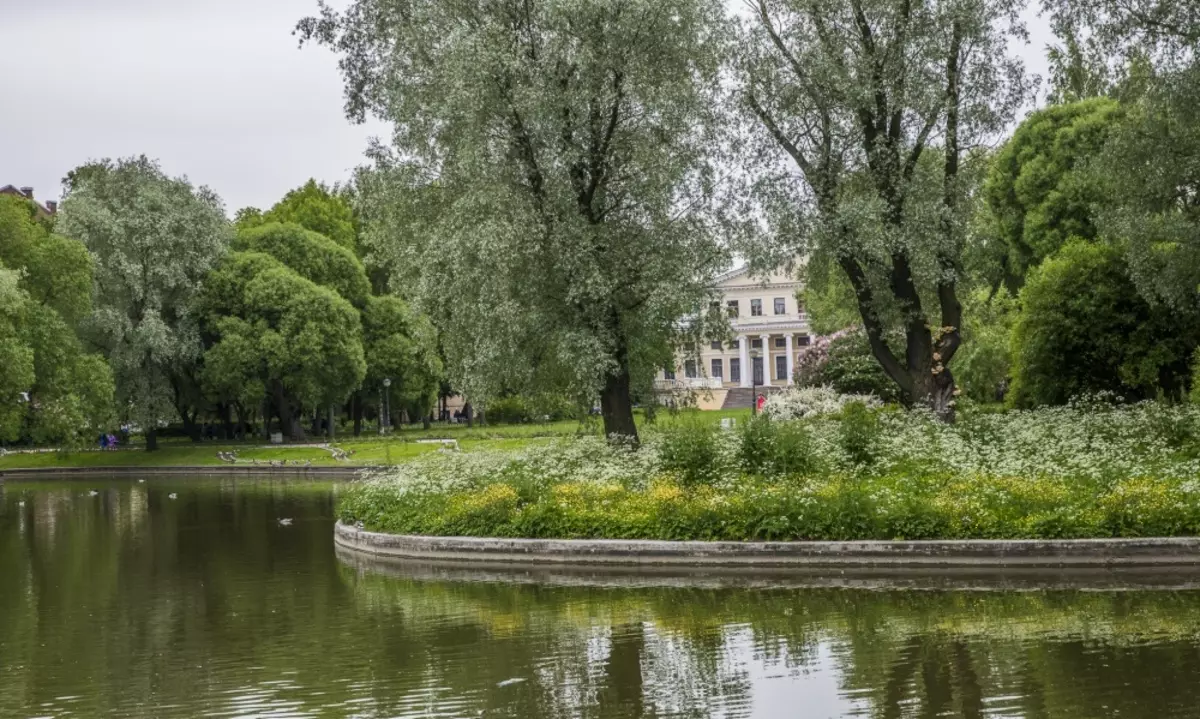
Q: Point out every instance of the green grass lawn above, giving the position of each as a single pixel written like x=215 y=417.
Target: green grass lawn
x=368 y=449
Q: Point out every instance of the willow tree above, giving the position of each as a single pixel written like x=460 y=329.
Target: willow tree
x=864 y=113
x=153 y=239
x=571 y=141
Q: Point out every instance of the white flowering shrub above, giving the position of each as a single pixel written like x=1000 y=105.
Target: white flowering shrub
x=802 y=402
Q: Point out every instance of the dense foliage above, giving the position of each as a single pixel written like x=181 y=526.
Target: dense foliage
x=1084 y=328
x=1063 y=472
x=569 y=148
x=844 y=362
x=51 y=389
x=154 y=238
x=1040 y=192
x=846 y=100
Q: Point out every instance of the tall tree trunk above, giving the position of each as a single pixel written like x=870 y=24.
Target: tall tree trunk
x=470 y=412
x=151 y=440
x=357 y=411
x=426 y=421
x=616 y=407
x=226 y=421
x=330 y=433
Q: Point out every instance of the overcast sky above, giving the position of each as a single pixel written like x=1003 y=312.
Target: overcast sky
x=215 y=89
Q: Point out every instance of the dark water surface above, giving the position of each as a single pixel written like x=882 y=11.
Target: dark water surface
x=132 y=604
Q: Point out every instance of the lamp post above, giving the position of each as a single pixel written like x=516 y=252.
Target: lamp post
x=387 y=400
x=753 y=382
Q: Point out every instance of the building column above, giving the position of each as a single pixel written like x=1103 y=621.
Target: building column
x=791 y=363
x=744 y=349
x=768 y=369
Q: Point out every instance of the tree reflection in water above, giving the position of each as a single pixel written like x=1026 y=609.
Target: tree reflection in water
x=128 y=604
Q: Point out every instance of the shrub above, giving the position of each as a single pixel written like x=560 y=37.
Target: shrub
x=801 y=402
x=781 y=449
x=859 y=433
x=844 y=362
x=690 y=449
x=1084 y=328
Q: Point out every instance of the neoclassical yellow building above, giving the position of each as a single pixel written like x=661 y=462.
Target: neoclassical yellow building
x=770 y=329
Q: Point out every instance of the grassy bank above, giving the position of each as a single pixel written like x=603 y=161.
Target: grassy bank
x=367 y=450
x=837 y=474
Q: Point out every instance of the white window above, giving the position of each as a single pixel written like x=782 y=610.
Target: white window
x=735 y=370
x=732 y=308
x=716 y=344
x=668 y=373
x=780 y=306
x=780 y=343
x=780 y=367
x=689 y=369
x=718 y=369
x=756 y=308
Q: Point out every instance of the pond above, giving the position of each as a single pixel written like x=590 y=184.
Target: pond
x=118 y=600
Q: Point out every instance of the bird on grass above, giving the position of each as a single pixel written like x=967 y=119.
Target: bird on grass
x=285 y=522
x=172 y=495
x=93 y=493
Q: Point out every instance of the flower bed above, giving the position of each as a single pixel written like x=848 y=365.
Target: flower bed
x=1082 y=471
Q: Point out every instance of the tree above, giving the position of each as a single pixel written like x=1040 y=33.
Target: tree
x=1041 y=190
x=1150 y=180
x=16 y=358
x=400 y=345
x=314 y=207
x=847 y=100
x=1084 y=328
x=571 y=146
x=1148 y=171
x=278 y=333
x=154 y=238
x=51 y=391
x=311 y=255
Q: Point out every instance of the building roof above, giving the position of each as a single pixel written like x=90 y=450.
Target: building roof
x=27 y=193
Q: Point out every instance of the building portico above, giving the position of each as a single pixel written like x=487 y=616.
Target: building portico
x=769 y=329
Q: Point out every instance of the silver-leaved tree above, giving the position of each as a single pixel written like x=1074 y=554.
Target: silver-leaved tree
x=561 y=153
x=863 y=115
x=153 y=239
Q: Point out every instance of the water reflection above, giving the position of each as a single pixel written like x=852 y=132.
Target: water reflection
x=131 y=604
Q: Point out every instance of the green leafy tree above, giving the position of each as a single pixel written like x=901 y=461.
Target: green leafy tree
x=314 y=207
x=571 y=145
x=1084 y=328
x=848 y=101
x=1149 y=172
x=1040 y=190
x=278 y=333
x=311 y=255
x=51 y=391
x=985 y=362
x=154 y=238
x=16 y=357
x=401 y=345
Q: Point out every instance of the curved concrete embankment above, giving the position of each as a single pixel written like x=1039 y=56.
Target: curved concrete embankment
x=1183 y=552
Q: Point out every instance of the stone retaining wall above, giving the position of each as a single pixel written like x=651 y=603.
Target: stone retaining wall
x=1165 y=552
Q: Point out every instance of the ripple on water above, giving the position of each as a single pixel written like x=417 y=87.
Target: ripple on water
x=141 y=607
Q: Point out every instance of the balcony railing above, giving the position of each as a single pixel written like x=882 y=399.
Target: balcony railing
x=684 y=383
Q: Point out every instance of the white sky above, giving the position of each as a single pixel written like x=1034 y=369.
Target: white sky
x=217 y=90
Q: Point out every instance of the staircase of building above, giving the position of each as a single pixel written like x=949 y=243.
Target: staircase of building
x=743 y=397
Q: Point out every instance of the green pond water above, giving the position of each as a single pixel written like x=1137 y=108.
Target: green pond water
x=129 y=603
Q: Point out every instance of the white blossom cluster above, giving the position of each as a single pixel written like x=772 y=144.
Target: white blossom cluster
x=1142 y=440
x=802 y=402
